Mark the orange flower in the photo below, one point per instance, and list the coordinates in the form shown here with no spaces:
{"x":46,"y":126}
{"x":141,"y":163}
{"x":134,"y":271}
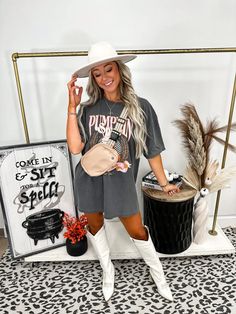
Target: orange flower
{"x":75,"y":227}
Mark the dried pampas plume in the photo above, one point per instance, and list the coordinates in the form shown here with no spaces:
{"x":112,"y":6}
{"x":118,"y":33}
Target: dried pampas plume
{"x":222,"y":180}
{"x":197,"y":156}
{"x":212,"y":128}
{"x":191,"y":178}
{"x":211,"y":171}
{"x":192,"y":132}
{"x":197,"y":141}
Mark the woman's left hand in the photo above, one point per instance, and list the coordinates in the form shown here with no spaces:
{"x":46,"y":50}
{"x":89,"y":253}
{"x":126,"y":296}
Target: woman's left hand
{"x":171,"y":189}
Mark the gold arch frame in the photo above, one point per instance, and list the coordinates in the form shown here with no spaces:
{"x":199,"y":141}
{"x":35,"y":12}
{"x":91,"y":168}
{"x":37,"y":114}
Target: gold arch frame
{"x":16,"y":56}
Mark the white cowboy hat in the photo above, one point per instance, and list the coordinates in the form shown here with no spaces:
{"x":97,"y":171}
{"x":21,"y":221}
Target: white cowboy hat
{"x":99,"y":53}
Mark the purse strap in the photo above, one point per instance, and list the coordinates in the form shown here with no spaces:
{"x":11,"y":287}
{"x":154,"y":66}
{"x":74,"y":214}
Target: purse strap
{"x":116,"y":131}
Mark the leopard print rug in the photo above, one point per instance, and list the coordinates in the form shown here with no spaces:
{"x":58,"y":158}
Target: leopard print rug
{"x":199,"y":285}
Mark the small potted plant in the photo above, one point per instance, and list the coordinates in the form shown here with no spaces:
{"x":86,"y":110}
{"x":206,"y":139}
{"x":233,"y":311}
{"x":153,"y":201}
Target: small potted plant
{"x":76,"y":240}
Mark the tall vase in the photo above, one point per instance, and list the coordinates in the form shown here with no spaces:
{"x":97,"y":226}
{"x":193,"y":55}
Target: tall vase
{"x":200,"y":218}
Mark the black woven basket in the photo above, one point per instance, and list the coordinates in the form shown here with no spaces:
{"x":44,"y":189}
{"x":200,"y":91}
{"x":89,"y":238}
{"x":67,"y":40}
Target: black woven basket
{"x":170,"y":224}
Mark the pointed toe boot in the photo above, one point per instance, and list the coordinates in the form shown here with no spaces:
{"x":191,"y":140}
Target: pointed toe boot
{"x":149,"y":254}
{"x":101,"y":248}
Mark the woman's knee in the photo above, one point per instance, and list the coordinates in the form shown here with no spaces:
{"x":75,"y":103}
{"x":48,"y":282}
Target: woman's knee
{"x":139,"y":233}
{"x":134,"y":226}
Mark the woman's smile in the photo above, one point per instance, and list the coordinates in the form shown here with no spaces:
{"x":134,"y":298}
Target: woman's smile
{"x":108,"y":83}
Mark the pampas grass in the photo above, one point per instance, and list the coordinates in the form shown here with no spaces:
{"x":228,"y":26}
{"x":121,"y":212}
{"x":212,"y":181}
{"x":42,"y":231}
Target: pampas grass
{"x":211,"y":171}
{"x":191,"y":178}
{"x":197,"y":153}
{"x":231,"y":147}
{"x":197,"y":141}
{"x":192,"y":135}
{"x":222,"y":179}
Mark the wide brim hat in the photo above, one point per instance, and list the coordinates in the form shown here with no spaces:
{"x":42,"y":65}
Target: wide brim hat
{"x":99,"y":53}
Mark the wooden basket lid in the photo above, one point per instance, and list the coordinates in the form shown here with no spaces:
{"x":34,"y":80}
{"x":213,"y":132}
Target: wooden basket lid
{"x":185,"y":194}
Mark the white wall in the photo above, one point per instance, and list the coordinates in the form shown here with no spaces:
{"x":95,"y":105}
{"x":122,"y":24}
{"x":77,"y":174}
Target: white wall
{"x":167,"y":81}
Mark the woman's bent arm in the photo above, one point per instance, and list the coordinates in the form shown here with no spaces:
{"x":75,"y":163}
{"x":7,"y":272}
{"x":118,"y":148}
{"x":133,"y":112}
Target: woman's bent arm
{"x":73,"y":136}
{"x":157,"y":167}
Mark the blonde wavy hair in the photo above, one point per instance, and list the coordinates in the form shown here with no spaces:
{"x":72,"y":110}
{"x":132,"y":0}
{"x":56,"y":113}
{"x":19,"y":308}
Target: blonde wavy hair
{"x":129,"y":98}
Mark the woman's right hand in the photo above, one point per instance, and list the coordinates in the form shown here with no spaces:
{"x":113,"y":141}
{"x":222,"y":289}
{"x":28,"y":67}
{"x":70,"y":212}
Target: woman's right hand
{"x":75,"y":93}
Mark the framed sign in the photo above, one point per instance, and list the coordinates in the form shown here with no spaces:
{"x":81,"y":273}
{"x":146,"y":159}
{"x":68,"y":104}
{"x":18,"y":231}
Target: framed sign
{"x":36,"y":189}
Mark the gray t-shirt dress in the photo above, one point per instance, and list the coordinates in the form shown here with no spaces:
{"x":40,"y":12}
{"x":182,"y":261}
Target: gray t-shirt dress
{"x":114,"y":193}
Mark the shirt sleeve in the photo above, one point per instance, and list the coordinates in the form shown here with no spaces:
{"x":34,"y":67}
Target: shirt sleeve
{"x":154,"y":141}
{"x":82,"y":120}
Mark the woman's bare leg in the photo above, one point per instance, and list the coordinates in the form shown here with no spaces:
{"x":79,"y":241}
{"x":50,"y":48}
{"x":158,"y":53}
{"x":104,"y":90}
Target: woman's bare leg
{"x":95,"y":221}
{"x":134,"y":226}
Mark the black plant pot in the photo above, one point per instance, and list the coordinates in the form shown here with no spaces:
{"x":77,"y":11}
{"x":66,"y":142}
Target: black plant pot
{"x":77,"y":249}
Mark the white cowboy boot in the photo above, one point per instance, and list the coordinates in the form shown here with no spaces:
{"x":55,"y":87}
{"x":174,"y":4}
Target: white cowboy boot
{"x":100,"y":245}
{"x":149,"y":254}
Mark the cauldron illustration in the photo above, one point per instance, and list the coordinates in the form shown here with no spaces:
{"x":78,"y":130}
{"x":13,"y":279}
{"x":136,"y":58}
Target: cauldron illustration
{"x":46,"y":224}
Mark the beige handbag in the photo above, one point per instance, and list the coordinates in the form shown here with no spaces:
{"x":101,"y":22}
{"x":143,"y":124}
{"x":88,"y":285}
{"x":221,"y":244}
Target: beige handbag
{"x":102,"y":157}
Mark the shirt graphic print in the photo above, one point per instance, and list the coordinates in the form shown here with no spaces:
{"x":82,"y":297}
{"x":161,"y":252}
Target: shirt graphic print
{"x":100,"y":127}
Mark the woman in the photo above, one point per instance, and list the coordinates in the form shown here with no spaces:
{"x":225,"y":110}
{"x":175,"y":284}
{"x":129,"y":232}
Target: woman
{"x":114,"y":194}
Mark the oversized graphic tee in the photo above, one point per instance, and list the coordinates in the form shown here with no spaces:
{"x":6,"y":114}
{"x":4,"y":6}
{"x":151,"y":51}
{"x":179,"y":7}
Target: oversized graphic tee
{"x":114,"y":193}
{"x":98,"y":121}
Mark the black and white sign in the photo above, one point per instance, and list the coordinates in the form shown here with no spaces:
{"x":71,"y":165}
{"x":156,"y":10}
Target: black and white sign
{"x":36,"y":189}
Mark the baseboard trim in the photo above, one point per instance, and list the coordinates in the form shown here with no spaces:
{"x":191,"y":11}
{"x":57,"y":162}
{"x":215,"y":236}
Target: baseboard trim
{"x":223,"y":221}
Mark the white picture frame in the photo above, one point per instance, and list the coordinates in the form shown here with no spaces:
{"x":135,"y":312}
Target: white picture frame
{"x":36,"y":189}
